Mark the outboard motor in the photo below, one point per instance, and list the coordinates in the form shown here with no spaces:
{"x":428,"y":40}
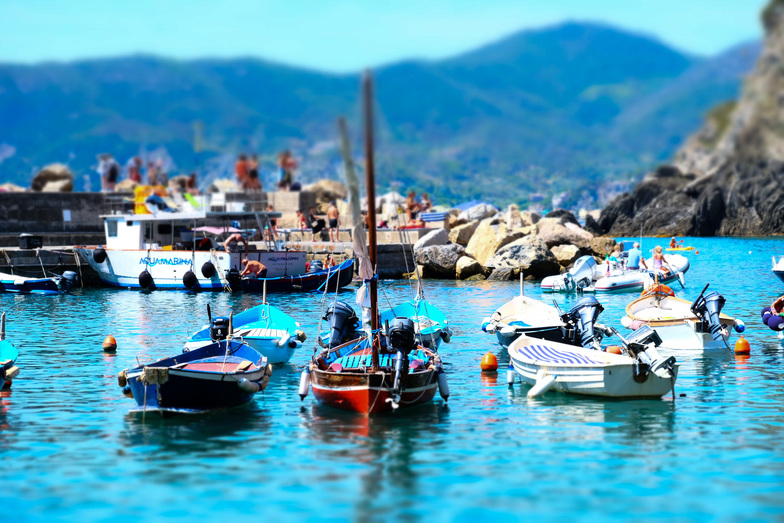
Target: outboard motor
{"x":402,"y":338}
{"x":342,"y":321}
{"x":583,"y":271}
{"x":66,"y":281}
{"x":582,"y":318}
{"x":234,"y":279}
{"x":316,"y":265}
{"x":642,"y":344}
{"x":219,"y":328}
{"x":707,"y":308}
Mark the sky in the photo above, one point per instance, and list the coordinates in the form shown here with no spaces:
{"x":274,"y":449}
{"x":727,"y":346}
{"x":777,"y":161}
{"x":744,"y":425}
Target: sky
{"x":343,"y":35}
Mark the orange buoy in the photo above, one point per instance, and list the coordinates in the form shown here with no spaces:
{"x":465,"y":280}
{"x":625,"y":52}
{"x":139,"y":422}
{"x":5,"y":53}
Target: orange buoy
{"x":614,"y":349}
{"x":489,"y":362}
{"x":742,"y":346}
{"x":110,"y":344}
{"x":696,"y":252}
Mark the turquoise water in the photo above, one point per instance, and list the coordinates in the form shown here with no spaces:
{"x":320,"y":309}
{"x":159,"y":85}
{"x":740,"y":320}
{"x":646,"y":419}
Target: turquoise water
{"x":71,"y":450}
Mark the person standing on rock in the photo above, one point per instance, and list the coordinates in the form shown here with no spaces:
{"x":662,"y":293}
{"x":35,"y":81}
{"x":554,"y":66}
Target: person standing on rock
{"x":241,"y":171}
{"x":334,"y":222}
{"x":109,"y":170}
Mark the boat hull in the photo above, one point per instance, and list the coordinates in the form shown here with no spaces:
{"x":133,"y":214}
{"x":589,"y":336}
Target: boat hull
{"x":586,"y":372}
{"x":635,"y":280}
{"x":334,"y":278}
{"x":21,"y":285}
{"x":779,"y":274}
{"x":267,"y":347}
{"x":368,"y":392}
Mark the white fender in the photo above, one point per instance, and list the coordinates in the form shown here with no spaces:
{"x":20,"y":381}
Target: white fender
{"x":304,"y":383}
{"x":491,"y":328}
{"x":543,"y":384}
{"x":510,"y":375}
{"x":249,"y":386}
{"x":284,"y":340}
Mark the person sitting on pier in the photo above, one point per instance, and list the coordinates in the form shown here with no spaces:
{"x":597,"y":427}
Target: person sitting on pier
{"x":412,"y":206}
{"x":232,"y":242}
{"x":256,"y":268}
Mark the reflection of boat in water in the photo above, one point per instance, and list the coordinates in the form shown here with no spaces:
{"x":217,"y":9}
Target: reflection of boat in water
{"x":637,"y":370}
{"x":8,"y":356}
{"x":683,"y":325}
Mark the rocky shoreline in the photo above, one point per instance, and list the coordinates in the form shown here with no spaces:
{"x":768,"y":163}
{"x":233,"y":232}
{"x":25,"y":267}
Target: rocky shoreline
{"x":483,"y":243}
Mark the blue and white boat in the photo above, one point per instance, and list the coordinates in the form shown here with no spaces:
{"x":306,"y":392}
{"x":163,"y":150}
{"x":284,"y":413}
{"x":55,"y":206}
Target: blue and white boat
{"x":45,"y":286}
{"x":430,"y":323}
{"x":223,"y":374}
{"x":266,"y":329}
{"x":8,"y":356}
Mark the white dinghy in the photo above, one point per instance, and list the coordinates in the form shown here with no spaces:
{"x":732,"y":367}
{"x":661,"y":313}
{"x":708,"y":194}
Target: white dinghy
{"x":621,"y":279}
{"x":579,"y":278}
{"x":683,"y":326}
{"x":638,"y":372}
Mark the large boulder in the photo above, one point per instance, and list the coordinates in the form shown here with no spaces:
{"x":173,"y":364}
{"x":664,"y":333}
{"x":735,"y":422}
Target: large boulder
{"x":490,"y":235}
{"x":467,"y":267}
{"x":223,"y":185}
{"x":528,"y":255}
{"x":592,"y":226}
{"x":462,"y":233}
{"x":440,"y":261}
{"x":566,"y":254}
{"x":436,"y":237}
{"x":601,"y":246}
{"x":478,"y":212}
{"x":126,"y":185}
{"x":54,"y":177}
{"x":556,"y":232}
{"x":327,"y":191}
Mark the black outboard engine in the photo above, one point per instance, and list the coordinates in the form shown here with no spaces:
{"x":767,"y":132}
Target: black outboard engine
{"x":316,"y":266}
{"x":402,"y":338}
{"x":342,"y":321}
{"x":234,"y":279}
{"x":642,"y":345}
{"x":67,"y":281}
{"x":581,"y":318}
{"x":219,"y":328}
{"x":707,"y":308}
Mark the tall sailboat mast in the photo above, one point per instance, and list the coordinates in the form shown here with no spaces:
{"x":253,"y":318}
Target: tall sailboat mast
{"x":367,"y":95}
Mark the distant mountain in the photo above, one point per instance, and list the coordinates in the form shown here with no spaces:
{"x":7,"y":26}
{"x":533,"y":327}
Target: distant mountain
{"x":562,"y":110}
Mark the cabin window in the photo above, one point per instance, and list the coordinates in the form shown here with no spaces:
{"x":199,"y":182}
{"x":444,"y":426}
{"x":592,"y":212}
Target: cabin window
{"x":164,"y":228}
{"x":148,"y":231}
{"x":111,"y":229}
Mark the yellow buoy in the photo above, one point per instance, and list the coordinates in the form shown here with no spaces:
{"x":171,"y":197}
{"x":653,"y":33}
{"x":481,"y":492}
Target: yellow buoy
{"x":489,"y":362}
{"x":110,"y":344}
{"x":742,"y":346}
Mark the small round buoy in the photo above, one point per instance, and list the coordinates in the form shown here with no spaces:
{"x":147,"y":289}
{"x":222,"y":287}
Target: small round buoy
{"x":489,"y":362}
{"x":696,"y":252}
{"x":110,"y":344}
{"x":742,"y":346}
{"x":614,"y":349}
{"x":776,"y":322}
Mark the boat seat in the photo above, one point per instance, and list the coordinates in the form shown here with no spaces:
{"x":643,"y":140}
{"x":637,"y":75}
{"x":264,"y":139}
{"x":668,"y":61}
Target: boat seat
{"x":384,"y":360}
{"x":546,"y":354}
{"x":261,"y":333}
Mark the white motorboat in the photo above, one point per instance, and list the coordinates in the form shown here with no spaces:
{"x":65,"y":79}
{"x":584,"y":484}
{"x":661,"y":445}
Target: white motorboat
{"x":620,"y":279}
{"x":697,"y":326}
{"x":578,"y":279}
{"x":638,"y":371}
{"x":161,"y":251}
{"x":778,"y":267}
{"x":524,"y":315}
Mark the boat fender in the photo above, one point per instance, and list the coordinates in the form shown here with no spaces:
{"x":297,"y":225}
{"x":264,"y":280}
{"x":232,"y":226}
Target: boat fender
{"x":446,"y":335}
{"x":766,"y":312}
{"x":265,"y":381}
{"x":301,"y":336}
{"x":543,"y":384}
{"x":510,"y":375}
{"x":284,"y":340}
{"x":491,"y":328}
{"x":485,"y":324}
{"x":249,"y":386}
{"x":776,"y":322}
{"x":127,"y":391}
{"x":122,"y":379}
{"x":293,"y":344}
{"x":304,"y":383}
{"x":739,"y":326}
{"x":443,"y":386}
{"x":145,"y":280}
{"x":10,"y":373}
{"x":208,"y":269}
{"x":268,"y":369}
{"x":190,"y":280}
{"x":640,"y":372}
{"x":99,"y":255}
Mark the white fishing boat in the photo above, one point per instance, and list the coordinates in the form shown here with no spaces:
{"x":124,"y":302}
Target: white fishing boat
{"x":164,"y":251}
{"x":579,"y":278}
{"x":620,"y":279}
{"x":778,"y":267}
{"x":683,"y":326}
{"x":639,"y":371}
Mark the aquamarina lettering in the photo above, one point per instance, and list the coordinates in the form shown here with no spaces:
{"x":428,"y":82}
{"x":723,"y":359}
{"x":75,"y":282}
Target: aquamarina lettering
{"x":152,"y":262}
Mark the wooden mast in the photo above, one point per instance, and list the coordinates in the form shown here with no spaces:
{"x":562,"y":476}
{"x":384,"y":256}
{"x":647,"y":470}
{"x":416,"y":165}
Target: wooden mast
{"x":367,"y":92}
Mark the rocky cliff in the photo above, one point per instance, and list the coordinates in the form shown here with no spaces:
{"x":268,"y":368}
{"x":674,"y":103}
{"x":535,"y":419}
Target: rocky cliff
{"x":729,"y":177}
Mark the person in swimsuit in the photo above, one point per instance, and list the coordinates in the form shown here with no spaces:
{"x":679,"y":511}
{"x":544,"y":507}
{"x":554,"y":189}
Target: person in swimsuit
{"x":241,"y":170}
{"x":253,"y":183}
{"x":412,"y":206}
{"x":254,"y":267}
{"x":316,"y":223}
{"x":232,"y":242}
{"x":658,"y":258}
{"x":334,"y":222}
{"x":273,"y":223}
{"x":673,"y":243}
